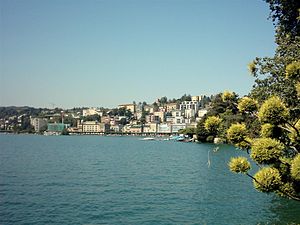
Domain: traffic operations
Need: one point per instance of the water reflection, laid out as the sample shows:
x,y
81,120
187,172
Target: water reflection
x,y
285,210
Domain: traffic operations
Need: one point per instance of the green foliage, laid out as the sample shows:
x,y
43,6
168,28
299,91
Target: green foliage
x,y
237,133
266,150
163,101
277,90
267,130
297,86
287,189
227,113
228,96
267,179
295,167
155,107
294,135
247,104
190,131
210,139
273,111
239,165
285,15
252,68
90,118
186,97
212,124
292,70
201,132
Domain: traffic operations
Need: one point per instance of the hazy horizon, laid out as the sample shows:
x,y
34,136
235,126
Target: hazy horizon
x,y
105,53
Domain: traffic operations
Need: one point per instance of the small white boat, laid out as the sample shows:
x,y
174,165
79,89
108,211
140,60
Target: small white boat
x,y
148,139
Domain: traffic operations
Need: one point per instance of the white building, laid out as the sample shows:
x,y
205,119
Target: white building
x,y
202,112
189,105
197,98
91,111
190,108
164,128
177,127
93,127
38,123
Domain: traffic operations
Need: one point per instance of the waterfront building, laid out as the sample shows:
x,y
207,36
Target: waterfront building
x,y
177,127
116,128
164,128
38,123
150,128
132,128
191,125
177,116
94,127
56,127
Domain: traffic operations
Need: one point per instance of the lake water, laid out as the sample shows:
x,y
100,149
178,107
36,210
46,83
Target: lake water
x,y
123,180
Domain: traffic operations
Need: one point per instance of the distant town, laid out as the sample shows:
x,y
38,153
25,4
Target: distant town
x,y
161,117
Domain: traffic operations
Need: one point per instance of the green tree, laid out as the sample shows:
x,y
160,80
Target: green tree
x,y
201,132
190,131
276,150
155,107
95,117
163,100
185,97
212,126
276,89
277,75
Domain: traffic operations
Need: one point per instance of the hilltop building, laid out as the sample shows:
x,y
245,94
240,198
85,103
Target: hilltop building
x,y
130,107
91,111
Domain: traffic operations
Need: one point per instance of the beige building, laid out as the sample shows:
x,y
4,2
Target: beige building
x,y
134,128
197,98
171,106
93,127
150,128
160,115
130,107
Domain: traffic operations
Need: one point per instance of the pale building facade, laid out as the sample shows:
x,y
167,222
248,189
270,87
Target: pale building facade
x,y
130,107
91,111
38,123
93,127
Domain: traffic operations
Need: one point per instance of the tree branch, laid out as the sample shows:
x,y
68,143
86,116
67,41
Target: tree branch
x,y
294,127
296,198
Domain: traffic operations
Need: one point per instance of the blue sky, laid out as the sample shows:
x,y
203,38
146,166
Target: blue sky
x,y
74,53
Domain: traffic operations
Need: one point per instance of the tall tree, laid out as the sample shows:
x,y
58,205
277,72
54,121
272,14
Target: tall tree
x,y
270,72
276,150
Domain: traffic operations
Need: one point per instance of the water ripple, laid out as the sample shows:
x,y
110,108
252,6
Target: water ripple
x,y
117,180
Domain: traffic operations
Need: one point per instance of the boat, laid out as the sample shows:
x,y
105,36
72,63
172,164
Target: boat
x,y
148,139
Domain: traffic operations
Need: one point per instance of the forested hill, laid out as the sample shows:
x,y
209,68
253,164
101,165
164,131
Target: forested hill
x,y
6,112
